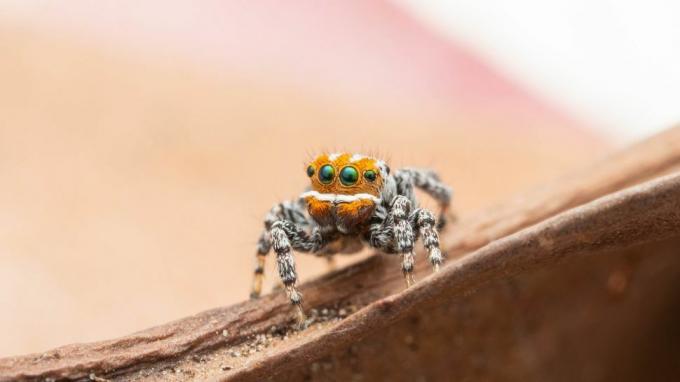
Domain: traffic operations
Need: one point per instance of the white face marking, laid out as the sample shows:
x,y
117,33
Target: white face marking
x,y
356,157
383,168
334,156
339,198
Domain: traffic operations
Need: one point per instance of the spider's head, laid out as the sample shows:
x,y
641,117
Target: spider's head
x,y
347,174
345,189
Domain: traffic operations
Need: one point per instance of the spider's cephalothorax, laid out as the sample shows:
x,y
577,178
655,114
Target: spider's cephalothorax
x,y
345,190
353,201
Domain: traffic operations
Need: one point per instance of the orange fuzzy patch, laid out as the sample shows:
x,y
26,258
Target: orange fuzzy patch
x,y
336,187
346,214
354,213
320,210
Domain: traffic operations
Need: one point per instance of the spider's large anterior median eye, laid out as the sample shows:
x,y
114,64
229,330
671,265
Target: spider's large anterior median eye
x,y
370,175
326,173
349,175
310,171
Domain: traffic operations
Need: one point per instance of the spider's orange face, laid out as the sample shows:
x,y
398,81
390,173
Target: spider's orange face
x,y
345,188
346,174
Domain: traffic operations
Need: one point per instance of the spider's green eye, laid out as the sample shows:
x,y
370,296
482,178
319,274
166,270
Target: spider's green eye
x,y
349,175
326,173
370,175
310,171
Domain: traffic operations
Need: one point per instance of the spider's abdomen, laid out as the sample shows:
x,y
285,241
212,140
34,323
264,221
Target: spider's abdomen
x,y
347,213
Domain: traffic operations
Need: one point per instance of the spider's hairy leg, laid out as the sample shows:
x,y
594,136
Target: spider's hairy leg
x,y
424,222
428,181
263,246
286,236
403,236
287,210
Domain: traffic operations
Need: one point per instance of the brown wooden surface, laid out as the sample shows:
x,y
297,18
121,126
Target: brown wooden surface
x,y
646,213
597,316
224,344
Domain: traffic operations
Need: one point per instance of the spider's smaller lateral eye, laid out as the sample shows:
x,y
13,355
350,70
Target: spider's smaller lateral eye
x,y
370,175
326,173
310,171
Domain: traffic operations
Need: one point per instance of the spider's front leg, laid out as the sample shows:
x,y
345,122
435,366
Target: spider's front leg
x,y
286,236
404,237
287,210
424,222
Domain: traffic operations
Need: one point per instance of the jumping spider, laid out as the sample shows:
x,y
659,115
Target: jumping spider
x,y
353,201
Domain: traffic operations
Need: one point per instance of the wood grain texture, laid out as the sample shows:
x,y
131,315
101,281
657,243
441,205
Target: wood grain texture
x,y
588,212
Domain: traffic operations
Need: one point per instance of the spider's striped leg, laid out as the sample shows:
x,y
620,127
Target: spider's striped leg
x,y
380,233
287,210
430,183
286,236
403,236
263,246
424,222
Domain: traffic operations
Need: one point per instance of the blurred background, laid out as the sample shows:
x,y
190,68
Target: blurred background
x,y
142,143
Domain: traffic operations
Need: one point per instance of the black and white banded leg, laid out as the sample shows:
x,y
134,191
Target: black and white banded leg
x,y
403,236
380,234
431,184
424,223
288,210
286,236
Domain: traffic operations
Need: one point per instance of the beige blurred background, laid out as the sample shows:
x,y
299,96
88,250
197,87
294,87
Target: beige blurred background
x,y
141,145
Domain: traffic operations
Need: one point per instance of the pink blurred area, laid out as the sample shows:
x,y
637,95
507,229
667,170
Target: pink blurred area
x,y
366,49
141,143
